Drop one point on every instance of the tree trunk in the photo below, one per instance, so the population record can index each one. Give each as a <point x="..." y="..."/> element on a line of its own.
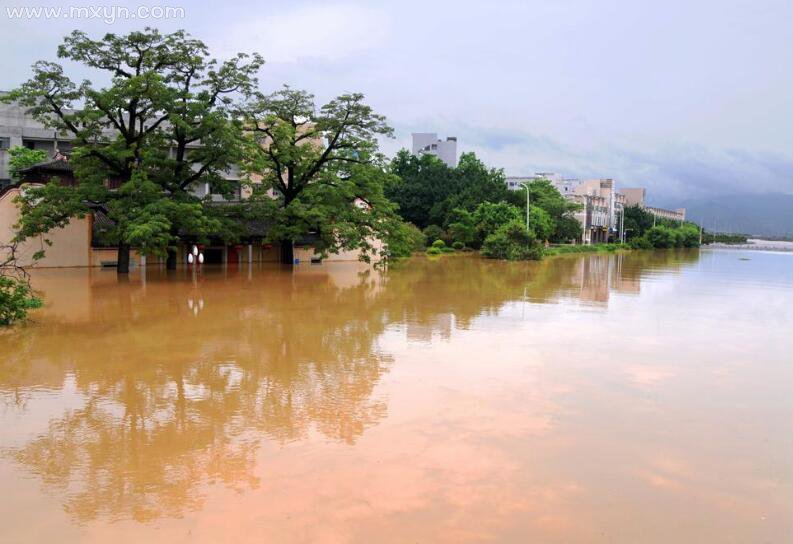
<point x="170" y="261"/>
<point x="122" y="261"/>
<point x="287" y="252"/>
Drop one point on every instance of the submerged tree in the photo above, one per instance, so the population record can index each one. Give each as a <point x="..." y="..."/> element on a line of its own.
<point x="317" y="172"/>
<point x="16" y="294"/>
<point x="165" y="95"/>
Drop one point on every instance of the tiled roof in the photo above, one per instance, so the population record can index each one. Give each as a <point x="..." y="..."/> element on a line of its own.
<point x="54" y="165"/>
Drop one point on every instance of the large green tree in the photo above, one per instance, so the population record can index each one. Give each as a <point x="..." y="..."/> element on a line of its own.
<point x="557" y="223"/>
<point x="164" y="115"/>
<point x="637" y="221"/>
<point x="317" y="172"/>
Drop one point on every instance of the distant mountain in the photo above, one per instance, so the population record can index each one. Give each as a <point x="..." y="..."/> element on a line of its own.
<point x="749" y="213"/>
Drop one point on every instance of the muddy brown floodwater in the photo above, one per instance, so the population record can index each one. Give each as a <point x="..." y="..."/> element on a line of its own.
<point x="636" y="398"/>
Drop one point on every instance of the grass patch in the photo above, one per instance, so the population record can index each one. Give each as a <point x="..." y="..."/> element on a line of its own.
<point x="581" y="248"/>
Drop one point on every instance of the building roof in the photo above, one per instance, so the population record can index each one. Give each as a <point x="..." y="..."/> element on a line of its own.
<point x="58" y="163"/>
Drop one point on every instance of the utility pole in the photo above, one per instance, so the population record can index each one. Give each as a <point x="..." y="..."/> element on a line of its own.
<point x="622" y="226"/>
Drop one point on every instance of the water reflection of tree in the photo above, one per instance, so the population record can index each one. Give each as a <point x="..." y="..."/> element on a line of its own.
<point x="189" y="397"/>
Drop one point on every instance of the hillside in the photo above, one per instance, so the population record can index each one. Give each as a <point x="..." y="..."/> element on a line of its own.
<point x="761" y="214"/>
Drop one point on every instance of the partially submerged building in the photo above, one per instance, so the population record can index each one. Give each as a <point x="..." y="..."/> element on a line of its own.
<point x="82" y="242"/>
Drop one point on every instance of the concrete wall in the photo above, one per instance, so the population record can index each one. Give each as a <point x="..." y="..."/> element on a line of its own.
<point x="16" y="125"/>
<point x="634" y="196"/>
<point x="306" y="253"/>
<point x="70" y="245"/>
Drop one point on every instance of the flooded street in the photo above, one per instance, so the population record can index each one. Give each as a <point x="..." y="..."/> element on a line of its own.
<point x="644" y="397"/>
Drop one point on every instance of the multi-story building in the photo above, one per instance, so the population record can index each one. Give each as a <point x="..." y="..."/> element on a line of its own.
<point x="678" y="214"/>
<point x="17" y="128"/>
<point x="606" y="204"/>
<point x="566" y="186"/>
<point x="427" y="143"/>
<point x="602" y="205"/>
<point x="515" y="183"/>
<point x="635" y="196"/>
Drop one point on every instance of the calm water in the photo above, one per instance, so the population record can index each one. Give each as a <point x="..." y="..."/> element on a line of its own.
<point x="631" y="398"/>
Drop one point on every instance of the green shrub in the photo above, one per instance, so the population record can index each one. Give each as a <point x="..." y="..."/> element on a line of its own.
<point x="458" y="245"/>
<point x="447" y="249"/>
<point x="16" y="298"/>
<point x="434" y="232"/>
<point x="404" y="239"/>
<point x="490" y="216"/>
<point x="439" y="244"/>
<point x="640" y="243"/>
<point x="721" y="238"/>
<point x="462" y="227"/>
<point x="662" y="237"/>
<point x="434" y="251"/>
<point x="689" y="235"/>
<point x="513" y="243"/>
<point x="581" y="248"/>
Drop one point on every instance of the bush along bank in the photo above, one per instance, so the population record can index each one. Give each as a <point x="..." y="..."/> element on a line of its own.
<point x="663" y="237"/>
<point x="499" y="231"/>
<point x="580" y="248"/>
<point x="16" y="299"/>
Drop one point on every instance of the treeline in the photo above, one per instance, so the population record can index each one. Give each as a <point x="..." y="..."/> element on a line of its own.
<point x="645" y="231"/>
<point x="469" y="206"/>
<point x="723" y="238"/>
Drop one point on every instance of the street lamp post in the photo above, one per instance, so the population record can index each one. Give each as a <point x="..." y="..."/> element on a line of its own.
<point x="525" y="185"/>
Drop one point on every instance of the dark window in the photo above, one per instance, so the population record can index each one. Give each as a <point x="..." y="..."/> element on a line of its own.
<point x="46" y="145"/>
<point x="5" y="142"/>
<point x="213" y="255"/>
<point x="65" y="147"/>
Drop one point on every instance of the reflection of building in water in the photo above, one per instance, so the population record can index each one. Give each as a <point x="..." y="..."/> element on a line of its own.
<point x="598" y="275"/>
<point x="594" y="271"/>
<point x="621" y="280"/>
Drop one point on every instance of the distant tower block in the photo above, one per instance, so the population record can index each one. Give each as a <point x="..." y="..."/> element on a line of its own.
<point x="428" y="143"/>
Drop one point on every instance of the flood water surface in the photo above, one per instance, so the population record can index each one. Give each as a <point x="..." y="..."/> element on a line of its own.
<point x="644" y="397"/>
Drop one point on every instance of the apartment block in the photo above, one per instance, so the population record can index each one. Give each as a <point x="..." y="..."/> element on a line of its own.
<point x="428" y="143"/>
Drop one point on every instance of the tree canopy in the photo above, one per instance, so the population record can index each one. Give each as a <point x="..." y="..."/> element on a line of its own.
<point x="317" y="171"/>
<point x="428" y="191"/>
<point x="20" y="158"/>
<point x="162" y="127"/>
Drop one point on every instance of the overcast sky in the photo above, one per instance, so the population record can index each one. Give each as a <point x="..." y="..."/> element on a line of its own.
<point x="682" y="97"/>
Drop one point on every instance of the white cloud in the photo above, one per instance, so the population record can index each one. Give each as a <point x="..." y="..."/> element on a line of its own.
<point x="326" y="32"/>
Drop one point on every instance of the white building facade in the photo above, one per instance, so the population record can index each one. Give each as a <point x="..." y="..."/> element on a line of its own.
<point x="428" y="143"/>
